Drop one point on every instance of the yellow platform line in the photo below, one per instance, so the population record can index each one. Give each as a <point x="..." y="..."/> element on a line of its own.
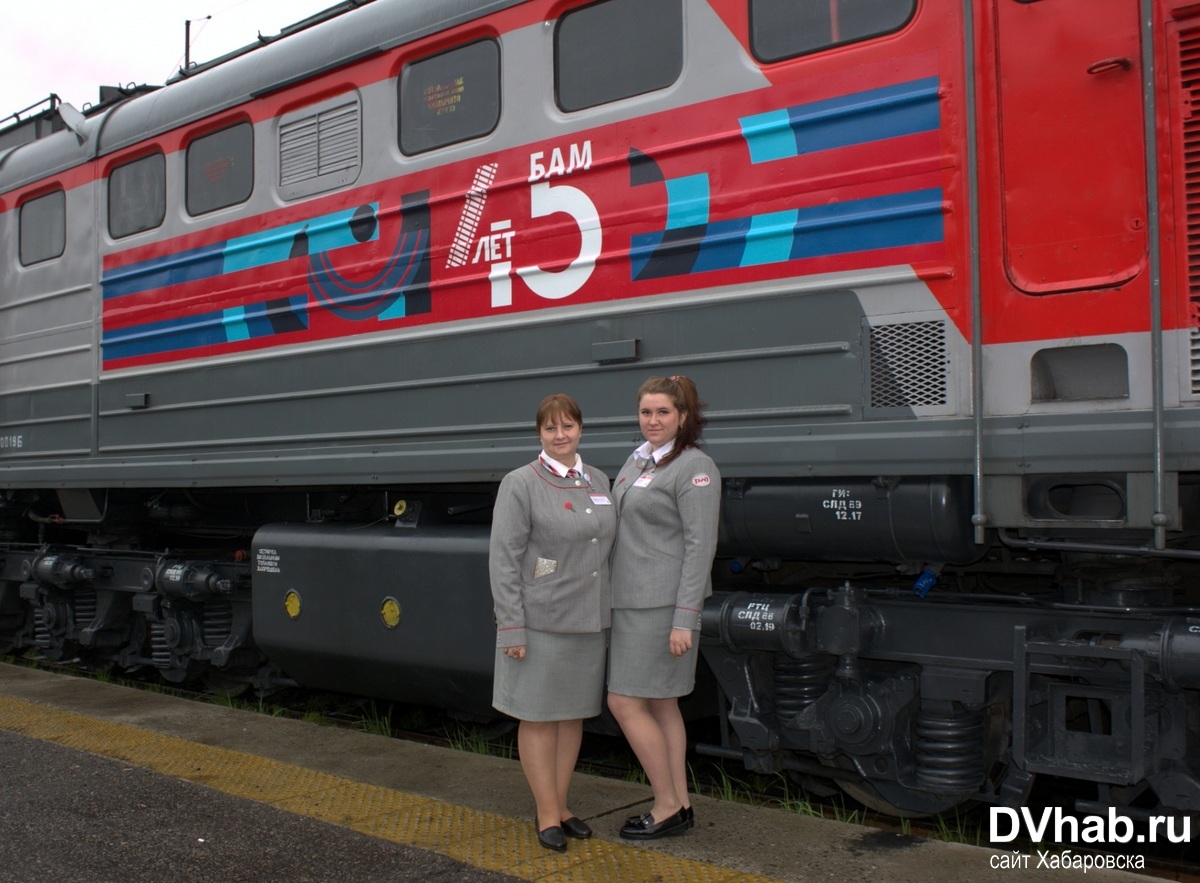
<point x="482" y="839"/>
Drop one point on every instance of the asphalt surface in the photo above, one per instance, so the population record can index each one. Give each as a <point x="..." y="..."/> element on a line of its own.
<point x="103" y="783"/>
<point x="68" y="816"/>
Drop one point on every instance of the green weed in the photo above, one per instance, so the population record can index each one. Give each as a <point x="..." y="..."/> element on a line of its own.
<point x="375" y="722"/>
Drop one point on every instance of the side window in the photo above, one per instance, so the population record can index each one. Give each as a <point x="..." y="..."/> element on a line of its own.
<point x="220" y="169"/>
<point x="450" y="97"/>
<point x="320" y="147"/>
<point x="786" y="28"/>
<point x="617" y="49"/>
<point x="44" y="228"/>
<point x="137" y="196"/>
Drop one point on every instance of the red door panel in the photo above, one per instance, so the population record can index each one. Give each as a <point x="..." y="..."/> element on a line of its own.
<point x="1074" y="184"/>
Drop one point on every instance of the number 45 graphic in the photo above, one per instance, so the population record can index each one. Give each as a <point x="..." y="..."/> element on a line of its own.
<point x="546" y="200"/>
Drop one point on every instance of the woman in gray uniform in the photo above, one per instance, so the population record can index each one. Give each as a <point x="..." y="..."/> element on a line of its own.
<point x="668" y="496"/>
<point x="552" y="531"/>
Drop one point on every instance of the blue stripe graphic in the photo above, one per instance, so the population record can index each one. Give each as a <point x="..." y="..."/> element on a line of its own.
<point x="769" y="239"/>
<point x="860" y="118"/>
<point x="209" y="329"/>
<point x="185" y="266"/>
<point x="323" y="233"/>
<point x="890" y="221"/>
<point x="867" y="224"/>
<point x="687" y="201"/>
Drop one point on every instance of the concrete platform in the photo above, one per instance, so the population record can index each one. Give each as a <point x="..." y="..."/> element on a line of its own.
<point x="466" y="807"/>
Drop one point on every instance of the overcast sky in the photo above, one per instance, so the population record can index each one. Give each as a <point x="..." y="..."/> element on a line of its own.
<point x="72" y="47"/>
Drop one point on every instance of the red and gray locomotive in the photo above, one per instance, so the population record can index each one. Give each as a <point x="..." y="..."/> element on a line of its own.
<point x="271" y="333"/>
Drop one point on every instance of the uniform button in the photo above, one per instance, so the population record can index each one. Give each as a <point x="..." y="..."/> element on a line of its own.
<point x="588" y="511"/>
<point x="578" y="482"/>
<point x="595" y="574"/>
<point x="595" y="541"/>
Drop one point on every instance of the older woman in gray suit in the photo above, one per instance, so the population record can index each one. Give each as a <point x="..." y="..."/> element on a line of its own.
<point x="552" y="531"/>
<point x="668" y="497"/>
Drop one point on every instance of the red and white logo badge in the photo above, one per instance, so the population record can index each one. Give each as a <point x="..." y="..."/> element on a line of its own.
<point x="701" y="480"/>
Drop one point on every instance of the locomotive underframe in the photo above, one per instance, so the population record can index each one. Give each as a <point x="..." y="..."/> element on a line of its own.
<point x="916" y="706"/>
<point x="1027" y="660"/>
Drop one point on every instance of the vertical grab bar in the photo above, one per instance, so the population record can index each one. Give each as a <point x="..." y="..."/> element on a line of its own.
<point x="979" y="518"/>
<point x="1160" y="519"/>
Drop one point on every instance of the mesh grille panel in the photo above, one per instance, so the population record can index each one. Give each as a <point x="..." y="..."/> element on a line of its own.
<point x="1189" y="80"/>
<point x="908" y="365"/>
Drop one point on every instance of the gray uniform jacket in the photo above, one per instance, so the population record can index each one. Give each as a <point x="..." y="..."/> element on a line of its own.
<point x="668" y="535"/>
<point x="549" y="554"/>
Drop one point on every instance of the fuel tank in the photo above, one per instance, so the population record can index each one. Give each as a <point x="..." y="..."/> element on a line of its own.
<point x="402" y="613"/>
<point x="900" y="519"/>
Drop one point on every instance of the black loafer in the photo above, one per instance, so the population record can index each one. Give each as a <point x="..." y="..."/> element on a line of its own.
<point x="577" y="828"/>
<point x="647" y="829"/>
<point x="553" y="838"/>
<point x="691" y="817"/>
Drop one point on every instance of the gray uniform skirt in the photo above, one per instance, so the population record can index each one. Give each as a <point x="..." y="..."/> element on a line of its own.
<point x="640" y="663"/>
<point x="561" y="677"/>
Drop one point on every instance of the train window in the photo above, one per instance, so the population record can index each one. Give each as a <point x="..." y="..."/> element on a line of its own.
<point x="220" y="169"/>
<point x="320" y="147"/>
<point x="786" y="28"/>
<point x="450" y="97"/>
<point x="137" y="196"/>
<point x="43" y="228"/>
<point x="617" y="49"/>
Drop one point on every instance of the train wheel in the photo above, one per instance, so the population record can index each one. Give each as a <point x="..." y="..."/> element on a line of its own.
<point x="220" y="683"/>
<point x="903" y="804"/>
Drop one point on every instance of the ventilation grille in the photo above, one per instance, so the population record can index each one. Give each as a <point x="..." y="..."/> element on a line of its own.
<point x="908" y="365"/>
<point x="1189" y="84"/>
<point x="321" y="149"/>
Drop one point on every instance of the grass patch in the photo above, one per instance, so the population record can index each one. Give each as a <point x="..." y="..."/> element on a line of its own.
<point x="477" y="740"/>
<point x="378" y="723"/>
<point x="953" y="827"/>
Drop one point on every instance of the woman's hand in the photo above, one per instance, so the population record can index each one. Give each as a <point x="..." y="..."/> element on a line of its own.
<point x="681" y="641"/>
<point x="517" y="653"/>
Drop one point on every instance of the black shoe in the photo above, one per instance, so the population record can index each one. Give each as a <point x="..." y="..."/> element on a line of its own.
<point x="646" y="829"/>
<point x="691" y="817"/>
<point x="577" y="828"/>
<point x="553" y="838"/>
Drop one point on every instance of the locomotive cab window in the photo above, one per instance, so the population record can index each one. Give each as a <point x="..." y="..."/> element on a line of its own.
<point x="137" y="196"/>
<point x="782" y="29"/>
<point x="450" y="97"/>
<point x="617" y="49"/>
<point x="43" y="228"/>
<point x="220" y="169"/>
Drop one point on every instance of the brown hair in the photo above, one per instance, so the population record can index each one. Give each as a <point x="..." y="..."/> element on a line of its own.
<point x="683" y="395"/>
<point x="558" y="405"/>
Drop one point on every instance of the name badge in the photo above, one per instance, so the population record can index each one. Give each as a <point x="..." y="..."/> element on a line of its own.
<point x="600" y="499"/>
<point x="644" y="479"/>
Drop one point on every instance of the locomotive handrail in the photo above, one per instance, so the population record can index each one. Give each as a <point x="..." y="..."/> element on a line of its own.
<point x="980" y="517"/>
<point x="1160" y="519"/>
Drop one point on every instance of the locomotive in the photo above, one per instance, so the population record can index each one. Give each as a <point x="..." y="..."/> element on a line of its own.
<point x="271" y="334"/>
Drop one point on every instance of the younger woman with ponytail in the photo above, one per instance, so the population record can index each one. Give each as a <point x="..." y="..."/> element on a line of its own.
<point x="668" y="497"/>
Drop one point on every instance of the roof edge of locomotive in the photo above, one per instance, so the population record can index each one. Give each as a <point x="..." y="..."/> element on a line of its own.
<point x="245" y="74"/>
